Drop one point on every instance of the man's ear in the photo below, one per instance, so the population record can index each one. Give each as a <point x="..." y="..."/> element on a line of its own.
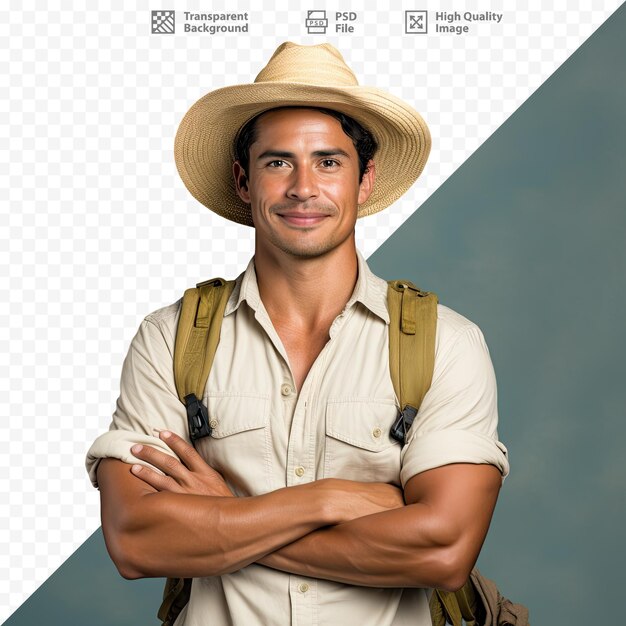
<point x="367" y="182"/>
<point x="241" y="182"/>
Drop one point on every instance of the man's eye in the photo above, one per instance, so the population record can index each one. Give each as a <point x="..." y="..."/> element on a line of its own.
<point x="277" y="163"/>
<point x="329" y="163"/>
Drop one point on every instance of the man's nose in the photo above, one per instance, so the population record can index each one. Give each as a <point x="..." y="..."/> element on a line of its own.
<point x="303" y="185"/>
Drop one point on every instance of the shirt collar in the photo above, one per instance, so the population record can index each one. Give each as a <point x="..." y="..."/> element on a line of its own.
<point x="370" y="290"/>
<point x="246" y="288"/>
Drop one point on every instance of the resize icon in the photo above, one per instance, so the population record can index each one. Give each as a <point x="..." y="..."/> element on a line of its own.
<point x="163" y="22"/>
<point x="416" y="22"/>
<point x="316" y="22"/>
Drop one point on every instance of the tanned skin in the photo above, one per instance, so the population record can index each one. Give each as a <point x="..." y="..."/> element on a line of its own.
<point x="303" y="188"/>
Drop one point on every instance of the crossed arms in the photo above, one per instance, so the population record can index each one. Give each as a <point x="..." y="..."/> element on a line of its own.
<point x="187" y="523"/>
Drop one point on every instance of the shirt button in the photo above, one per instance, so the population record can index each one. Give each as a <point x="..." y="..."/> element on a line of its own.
<point x="213" y="423"/>
<point x="377" y="432"/>
<point x="303" y="587"/>
<point x="300" y="471"/>
<point x="285" y="389"/>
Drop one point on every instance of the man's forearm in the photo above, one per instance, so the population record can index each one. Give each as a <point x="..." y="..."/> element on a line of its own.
<point x="433" y="543"/>
<point x="160" y="533"/>
<point x="174" y="534"/>
<point x="390" y="549"/>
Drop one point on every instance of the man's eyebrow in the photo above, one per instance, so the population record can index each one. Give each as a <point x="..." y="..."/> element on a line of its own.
<point x="331" y="152"/>
<point x="276" y="154"/>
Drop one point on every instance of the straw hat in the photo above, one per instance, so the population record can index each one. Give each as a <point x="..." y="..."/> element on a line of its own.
<point x="297" y="76"/>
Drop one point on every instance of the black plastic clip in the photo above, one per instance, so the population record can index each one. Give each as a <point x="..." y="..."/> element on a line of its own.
<point x="401" y="426"/>
<point x="197" y="418"/>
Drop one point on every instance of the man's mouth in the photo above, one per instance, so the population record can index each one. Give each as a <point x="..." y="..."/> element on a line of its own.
<point x="302" y="218"/>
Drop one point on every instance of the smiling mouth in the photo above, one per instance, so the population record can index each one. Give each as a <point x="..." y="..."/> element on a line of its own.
<point x="302" y="216"/>
<point x="302" y="219"/>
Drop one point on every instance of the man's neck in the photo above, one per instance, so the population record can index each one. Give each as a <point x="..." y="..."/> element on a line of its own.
<point x="306" y="292"/>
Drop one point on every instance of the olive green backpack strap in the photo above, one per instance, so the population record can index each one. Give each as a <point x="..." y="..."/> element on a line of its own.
<point x="459" y="608"/>
<point x="175" y="597"/>
<point x="197" y="337"/>
<point x="198" y="334"/>
<point x="412" y="327"/>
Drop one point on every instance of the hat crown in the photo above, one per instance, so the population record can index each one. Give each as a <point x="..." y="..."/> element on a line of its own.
<point x="313" y="65"/>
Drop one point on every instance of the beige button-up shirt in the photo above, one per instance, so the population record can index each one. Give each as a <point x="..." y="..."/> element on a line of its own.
<point x="266" y="435"/>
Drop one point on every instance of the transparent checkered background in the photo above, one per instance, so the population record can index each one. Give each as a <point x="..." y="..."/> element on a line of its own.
<point x="98" y="230"/>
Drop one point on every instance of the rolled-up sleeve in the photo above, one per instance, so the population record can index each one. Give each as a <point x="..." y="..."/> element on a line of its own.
<point x="457" y="421"/>
<point x="148" y="402"/>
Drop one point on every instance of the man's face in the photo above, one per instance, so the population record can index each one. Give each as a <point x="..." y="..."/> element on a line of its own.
<point x="303" y="183"/>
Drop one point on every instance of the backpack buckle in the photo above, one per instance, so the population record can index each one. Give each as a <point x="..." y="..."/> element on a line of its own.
<point x="402" y="424"/>
<point x="197" y="418"/>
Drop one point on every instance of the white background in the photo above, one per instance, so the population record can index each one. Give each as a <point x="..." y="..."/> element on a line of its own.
<point x="98" y="230"/>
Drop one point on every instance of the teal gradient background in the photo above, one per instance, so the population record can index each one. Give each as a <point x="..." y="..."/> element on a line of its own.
<point x="527" y="239"/>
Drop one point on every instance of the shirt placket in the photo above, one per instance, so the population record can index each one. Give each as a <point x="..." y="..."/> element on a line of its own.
<point x="301" y="454"/>
<point x="300" y="468"/>
<point x="301" y="448"/>
<point x="303" y="595"/>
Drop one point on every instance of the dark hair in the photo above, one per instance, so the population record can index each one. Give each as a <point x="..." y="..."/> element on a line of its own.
<point x="363" y="140"/>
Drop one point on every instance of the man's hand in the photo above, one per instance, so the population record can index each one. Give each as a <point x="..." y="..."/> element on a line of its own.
<point x="190" y="475"/>
<point x="193" y="476"/>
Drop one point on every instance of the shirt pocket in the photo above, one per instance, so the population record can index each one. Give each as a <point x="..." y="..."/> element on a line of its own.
<point x="239" y="445"/>
<point x="358" y="444"/>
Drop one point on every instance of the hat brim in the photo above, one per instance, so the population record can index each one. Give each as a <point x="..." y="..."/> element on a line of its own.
<point x="203" y="149"/>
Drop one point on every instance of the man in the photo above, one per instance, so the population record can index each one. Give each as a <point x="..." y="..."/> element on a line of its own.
<point x="300" y="509"/>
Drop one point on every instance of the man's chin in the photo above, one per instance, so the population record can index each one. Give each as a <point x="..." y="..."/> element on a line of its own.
<point x="307" y="252"/>
<point x="306" y="249"/>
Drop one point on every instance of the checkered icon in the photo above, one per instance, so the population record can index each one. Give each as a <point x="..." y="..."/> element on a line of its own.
<point x="163" y="22"/>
